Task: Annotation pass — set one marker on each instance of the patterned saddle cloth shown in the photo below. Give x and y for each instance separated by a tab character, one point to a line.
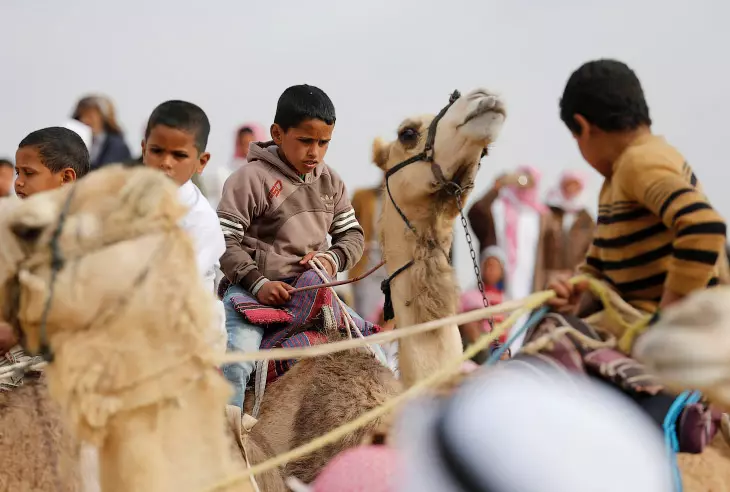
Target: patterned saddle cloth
303	321
570	344
550	343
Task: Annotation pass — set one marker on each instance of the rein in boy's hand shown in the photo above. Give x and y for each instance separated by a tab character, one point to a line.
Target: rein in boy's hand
328	265
567	294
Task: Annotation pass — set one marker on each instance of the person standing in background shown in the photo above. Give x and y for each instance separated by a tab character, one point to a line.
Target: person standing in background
511	217
108	145
245	135
570	226
7	177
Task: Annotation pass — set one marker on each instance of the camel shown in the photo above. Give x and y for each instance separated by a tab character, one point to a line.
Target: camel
132	370
428	290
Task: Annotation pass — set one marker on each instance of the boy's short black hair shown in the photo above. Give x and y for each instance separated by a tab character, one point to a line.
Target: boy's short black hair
59	148
608	94
303	102
7	163
184	116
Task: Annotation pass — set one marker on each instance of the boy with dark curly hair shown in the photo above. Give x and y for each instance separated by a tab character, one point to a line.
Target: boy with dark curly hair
658	237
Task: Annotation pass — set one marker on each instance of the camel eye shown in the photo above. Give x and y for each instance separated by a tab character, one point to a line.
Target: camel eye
408	136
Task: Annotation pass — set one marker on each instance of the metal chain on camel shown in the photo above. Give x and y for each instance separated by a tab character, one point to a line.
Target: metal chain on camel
473	254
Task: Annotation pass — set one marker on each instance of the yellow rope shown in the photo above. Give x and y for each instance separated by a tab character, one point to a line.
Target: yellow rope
443	374
630	331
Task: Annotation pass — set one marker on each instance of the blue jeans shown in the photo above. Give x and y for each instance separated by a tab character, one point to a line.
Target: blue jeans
242	337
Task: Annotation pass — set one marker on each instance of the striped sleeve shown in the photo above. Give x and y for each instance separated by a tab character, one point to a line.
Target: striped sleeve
348	238
231	229
699	231
343	222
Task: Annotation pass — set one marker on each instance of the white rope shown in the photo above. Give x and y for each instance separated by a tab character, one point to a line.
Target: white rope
319	269
262	372
254	484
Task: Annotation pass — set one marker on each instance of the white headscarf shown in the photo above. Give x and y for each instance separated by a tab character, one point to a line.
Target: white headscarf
81	130
515	430
557	199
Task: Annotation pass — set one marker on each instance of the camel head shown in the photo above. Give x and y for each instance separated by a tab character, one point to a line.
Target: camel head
462	136
103	227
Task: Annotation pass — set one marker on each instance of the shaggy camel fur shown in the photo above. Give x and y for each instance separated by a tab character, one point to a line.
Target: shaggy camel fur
154	387
36	451
316	396
132	372
428	290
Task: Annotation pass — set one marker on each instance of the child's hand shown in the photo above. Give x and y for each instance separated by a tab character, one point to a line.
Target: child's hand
567	294
326	262
274	293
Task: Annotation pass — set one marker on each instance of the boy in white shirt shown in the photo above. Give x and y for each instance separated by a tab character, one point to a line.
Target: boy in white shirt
174	142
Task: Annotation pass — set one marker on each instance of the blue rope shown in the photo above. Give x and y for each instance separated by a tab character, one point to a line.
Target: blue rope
670	431
534	319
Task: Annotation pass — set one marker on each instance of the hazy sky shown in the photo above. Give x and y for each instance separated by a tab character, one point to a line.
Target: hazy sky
379	61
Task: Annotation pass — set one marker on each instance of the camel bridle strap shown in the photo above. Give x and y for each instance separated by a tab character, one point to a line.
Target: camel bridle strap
450	186
57	262
426	156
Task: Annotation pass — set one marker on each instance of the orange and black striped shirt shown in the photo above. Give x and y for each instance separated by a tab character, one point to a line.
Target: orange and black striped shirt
656	230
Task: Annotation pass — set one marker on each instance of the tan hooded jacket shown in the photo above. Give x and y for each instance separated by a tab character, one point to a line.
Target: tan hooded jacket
272	217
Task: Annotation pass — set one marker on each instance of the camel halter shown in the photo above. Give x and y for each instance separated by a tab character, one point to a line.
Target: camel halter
57	262
451	187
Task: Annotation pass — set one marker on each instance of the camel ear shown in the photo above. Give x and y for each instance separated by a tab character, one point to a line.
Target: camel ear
381	152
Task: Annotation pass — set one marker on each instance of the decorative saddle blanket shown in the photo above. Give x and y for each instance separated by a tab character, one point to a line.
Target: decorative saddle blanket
570	344
303	321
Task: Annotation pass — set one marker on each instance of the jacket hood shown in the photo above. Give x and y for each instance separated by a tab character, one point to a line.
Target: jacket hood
269	152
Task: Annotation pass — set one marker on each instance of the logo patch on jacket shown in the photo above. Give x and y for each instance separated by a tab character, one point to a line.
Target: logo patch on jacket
275	190
328	201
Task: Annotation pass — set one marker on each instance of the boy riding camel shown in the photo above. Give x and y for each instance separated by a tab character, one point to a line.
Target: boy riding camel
276	213
658	237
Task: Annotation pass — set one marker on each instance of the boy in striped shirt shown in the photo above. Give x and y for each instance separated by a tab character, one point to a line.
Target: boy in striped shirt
276	213
658	238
